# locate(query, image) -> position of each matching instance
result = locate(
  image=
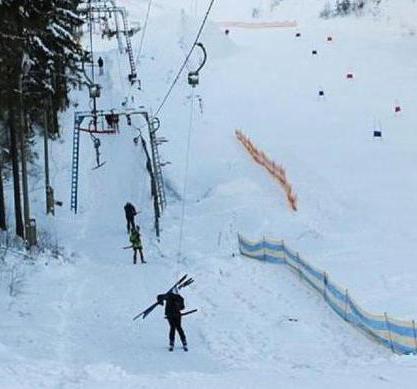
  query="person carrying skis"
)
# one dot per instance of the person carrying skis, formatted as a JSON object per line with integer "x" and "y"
{"x": 136, "y": 244}
{"x": 174, "y": 304}
{"x": 130, "y": 213}
{"x": 100, "y": 63}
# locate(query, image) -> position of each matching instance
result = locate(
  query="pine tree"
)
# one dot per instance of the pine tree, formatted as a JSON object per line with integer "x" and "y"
{"x": 38, "y": 43}
{"x": 40, "y": 58}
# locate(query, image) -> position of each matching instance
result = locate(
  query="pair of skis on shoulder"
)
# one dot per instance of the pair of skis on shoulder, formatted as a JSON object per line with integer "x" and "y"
{"x": 181, "y": 283}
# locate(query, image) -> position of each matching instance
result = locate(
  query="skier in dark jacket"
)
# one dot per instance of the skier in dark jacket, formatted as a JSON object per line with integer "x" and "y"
{"x": 136, "y": 244}
{"x": 130, "y": 213}
{"x": 174, "y": 304}
{"x": 100, "y": 63}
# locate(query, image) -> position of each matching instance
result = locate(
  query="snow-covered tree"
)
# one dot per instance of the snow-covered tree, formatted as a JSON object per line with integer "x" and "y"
{"x": 38, "y": 48}
{"x": 39, "y": 57}
{"x": 346, "y": 7}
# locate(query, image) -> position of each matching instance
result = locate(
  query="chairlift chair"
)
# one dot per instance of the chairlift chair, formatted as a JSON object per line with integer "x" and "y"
{"x": 97, "y": 143}
{"x": 95, "y": 91}
{"x": 193, "y": 79}
{"x": 132, "y": 78}
{"x": 155, "y": 123}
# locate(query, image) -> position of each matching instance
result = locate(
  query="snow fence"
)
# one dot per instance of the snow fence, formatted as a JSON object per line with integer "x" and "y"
{"x": 277, "y": 171}
{"x": 260, "y": 25}
{"x": 398, "y": 335}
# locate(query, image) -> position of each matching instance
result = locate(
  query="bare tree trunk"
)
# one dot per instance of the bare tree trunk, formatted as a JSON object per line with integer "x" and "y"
{"x": 15, "y": 168}
{"x": 3, "y": 225}
{"x": 22, "y": 143}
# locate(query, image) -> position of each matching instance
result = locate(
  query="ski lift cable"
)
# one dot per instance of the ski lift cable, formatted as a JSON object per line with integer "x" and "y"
{"x": 144, "y": 177}
{"x": 184, "y": 49}
{"x": 184, "y": 64}
{"x": 144, "y": 172}
{"x": 91, "y": 41}
{"x": 119, "y": 69}
{"x": 187, "y": 165}
{"x": 181, "y": 41}
{"x": 194, "y": 5}
{"x": 144, "y": 30}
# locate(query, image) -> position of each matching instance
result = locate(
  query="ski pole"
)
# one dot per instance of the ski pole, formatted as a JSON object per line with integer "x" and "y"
{"x": 186, "y": 313}
{"x": 189, "y": 312}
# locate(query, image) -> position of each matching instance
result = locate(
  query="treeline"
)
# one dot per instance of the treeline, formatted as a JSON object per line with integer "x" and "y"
{"x": 346, "y": 7}
{"x": 40, "y": 60}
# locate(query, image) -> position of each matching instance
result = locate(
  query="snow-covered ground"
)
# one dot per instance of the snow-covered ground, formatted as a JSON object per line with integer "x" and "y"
{"x": 69, "y": 325}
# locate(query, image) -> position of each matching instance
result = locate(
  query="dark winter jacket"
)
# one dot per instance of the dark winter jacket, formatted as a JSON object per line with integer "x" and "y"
{"x": 174, "y": 304}
{"x": 130, "y": 211}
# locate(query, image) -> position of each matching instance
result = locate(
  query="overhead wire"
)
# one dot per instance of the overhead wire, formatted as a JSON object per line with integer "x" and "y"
{"x": 131, "y": 89}
{"x": 144, "y": 30}
{"x": 91, "y": 42}
{"x": 187, "y": 165}
{"x": 181, "y": 42}
{"x": 184, "y": 64}
{"x": 144, "y": 172}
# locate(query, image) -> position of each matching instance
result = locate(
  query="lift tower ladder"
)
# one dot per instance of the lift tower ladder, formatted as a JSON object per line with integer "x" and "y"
{"x": 102, "y": 7}
{"x": 133, "y": 73}
{"x": 118, "y": 34}
{"x": 154, "y": 125}
{"x": 75, "y": 161}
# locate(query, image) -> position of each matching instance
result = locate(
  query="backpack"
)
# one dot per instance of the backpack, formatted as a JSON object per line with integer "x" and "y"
{"x": 179, "y": 302}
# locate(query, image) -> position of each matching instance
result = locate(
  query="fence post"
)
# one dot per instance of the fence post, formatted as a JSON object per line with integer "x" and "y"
{"x": 298, "y": 264}
{"x": 346, "y": 304}
{"x": 389, "y": 331}
{"x": 325, "y": 280}
{"x": 283, "y": 251}
{"x": 414, "y": 331}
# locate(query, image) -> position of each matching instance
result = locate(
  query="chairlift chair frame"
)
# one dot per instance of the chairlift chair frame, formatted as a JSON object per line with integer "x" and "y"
{"x": 193, "y": 77}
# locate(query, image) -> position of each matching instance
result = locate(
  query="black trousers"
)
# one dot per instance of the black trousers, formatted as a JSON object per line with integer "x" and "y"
{"x": 135, "y": 255}
{"x": 130, "y": 223}
{"x": 175, "y": 325}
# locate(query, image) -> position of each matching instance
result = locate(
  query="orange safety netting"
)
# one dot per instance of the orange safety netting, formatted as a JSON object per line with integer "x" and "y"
{"x": 277, "y": 171}
{"x": 255, "y": 25}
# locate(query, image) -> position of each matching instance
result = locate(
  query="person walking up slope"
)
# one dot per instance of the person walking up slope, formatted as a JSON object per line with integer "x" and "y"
{"x": 130, "y": 213}
{"x": 136, "y": 241}
{"x": 100, "y": 63}
{"x": 174, "y": 304}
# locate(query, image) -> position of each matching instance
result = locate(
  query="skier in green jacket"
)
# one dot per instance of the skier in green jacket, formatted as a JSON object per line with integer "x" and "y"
{"x": 136, "y": 244}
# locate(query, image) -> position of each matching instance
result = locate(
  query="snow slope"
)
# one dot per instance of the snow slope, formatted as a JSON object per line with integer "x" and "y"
{"x": 71, "y": 327}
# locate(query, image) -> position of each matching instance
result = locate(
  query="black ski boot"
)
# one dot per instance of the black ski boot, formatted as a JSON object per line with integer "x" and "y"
{"x": 171, "y": 347}
{"x": 185, "y": 347}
